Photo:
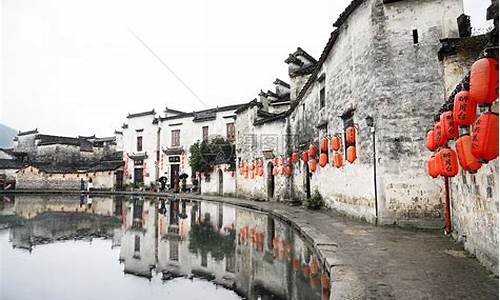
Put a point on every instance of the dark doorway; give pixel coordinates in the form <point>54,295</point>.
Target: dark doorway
<point>174,172</point>
<point>119,180</point>
<point>138,176</point>
<point>270,181</point>
<point>307,181</point>
<point>220,189</point>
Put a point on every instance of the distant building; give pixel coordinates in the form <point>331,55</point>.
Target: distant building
<point>158,146</point>
<point>41,161</point>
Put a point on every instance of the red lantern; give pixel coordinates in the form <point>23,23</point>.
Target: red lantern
<point>306,270</point>
<point>323,159</point>
<point>464,152</point>
<point>252,175</point>
<point>313,150</point>
<point>275,171</point>
<point>338,160</point>
<point>350,136</point>
<point>288,171</point>
<point>464,109</point>
<point>245,167</point>
<point>295,157</point>
<point>314,267</point>
<point>276,162</point>
<point>281,161</point>
<point>323,145</point>
<point>282,171</point>
<point>296,265</point>
<point>484,81</point>
<point>450,130</point>
<point>313,165</point>
<point>439,134</point>
<point>260,163</point>
<point>325,280</point>
<point>485,137</point>
<point>449,162</point>
<point>261,172</point>
<point>431,144</point>
<point>351,154</point>
<point>252,166</point>
<point>335,143</point>
<point>432,167</point>
<point>305,156</point>
<point>289,161</point>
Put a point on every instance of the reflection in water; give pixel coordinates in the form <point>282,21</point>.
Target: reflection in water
<point>250,252</point>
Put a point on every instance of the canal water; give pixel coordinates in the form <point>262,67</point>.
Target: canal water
<point>63,247</point>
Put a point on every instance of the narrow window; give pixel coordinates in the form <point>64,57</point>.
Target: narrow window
<point>137,243</point>
<point>322,97</point>
<point>205,133</point>
<point>139,143</point>
<point>231,136</point>
<point>176,138</point>
<point>415,36</point>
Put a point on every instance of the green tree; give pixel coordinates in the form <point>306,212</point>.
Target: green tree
<point>205,155</point>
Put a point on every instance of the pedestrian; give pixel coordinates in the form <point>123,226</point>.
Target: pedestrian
<point>82,185</point>
<point>89,185</point>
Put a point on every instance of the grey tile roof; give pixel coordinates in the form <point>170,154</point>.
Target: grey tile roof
<point>10,164</point>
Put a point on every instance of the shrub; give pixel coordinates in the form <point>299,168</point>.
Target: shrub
<point>315,202</point>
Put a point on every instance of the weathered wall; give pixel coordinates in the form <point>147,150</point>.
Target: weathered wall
<point>33,178</point>
<point>212,187</point>
<point>251,141</point>
<point>373,69</point>
<point>474,197</point>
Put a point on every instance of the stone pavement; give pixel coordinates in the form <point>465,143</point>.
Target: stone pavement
<point>370,262</point>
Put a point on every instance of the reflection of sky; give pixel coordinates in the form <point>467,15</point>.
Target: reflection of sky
<point>87,271</point>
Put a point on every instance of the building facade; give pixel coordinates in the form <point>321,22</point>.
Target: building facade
<point>159,146</point>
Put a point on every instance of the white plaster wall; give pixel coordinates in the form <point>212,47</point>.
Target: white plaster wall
<point>228,181</point>
<point>149,145</point>
<point>190,133</point>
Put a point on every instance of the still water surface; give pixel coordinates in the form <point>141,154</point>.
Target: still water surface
<point>66,247</point>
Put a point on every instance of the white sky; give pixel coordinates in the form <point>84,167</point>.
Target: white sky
<point>73,67</point>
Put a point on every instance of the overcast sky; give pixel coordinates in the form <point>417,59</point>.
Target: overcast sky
<point>74,67</point>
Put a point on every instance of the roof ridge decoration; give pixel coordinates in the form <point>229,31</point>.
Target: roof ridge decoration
<point>34,131</point>
<point>141,114</point>
<point>206,111</point>
<point>278,81</point>
<point>302,52</point>
<point>293,59</point>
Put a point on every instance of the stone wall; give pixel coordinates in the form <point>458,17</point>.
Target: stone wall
<point>30,178</point>
<point>473,197</point>
<point>252,141</point>
<point>375,69</point>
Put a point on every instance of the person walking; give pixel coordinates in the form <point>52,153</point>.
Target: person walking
<point>89,185</point>
<point>82,185</point>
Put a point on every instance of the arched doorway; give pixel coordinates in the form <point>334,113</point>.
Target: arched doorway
<point>270,181</point>
<point>307,181</point>
<point>220,189</point>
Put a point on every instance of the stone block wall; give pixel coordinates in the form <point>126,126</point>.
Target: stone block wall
<point>32,178</point>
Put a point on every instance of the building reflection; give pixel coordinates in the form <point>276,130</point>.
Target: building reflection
<point>256,255</point>
<point>35,219</point>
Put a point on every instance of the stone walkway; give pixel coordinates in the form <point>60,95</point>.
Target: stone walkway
<point>370,262</point>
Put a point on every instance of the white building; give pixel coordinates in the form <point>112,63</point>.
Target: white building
<point>156,146</point>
